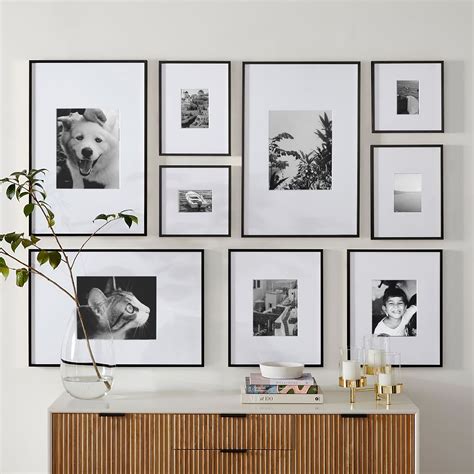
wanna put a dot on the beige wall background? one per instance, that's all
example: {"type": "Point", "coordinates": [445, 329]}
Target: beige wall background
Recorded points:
{"type": "Point", "coordinates": [286, 30]}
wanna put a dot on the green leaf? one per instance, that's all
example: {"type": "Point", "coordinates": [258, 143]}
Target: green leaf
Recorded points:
{"type": "Point", "coordinates": [4, 270]}
{"type": "Point", "coordinates": [11, 191]}
{"type": "Point", "coordinates": [11, 237]}
{"type": "Point", "coordinates": [42, 257]}
{"type": "Point", "coordinates": [22, 275]}
{"type": "Point", "coordinates": [26, 243]}
{"type": "Point", "coordinates": [16, 244]}
{"type": "Point", "coordinates": [101, 217]}
{"type": "Point", "coordinates": [128, 221]}
{"type": "Point", "coordinates": [34, 239]}
{"type": "Point", "coordinates": [54, 259]}
{"type": "Point", "coordinates": [28, 209]}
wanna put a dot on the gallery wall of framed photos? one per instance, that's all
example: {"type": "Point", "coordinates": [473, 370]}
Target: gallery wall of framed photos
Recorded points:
{"type": "Point", "coordinates": [260, 32]}
{"type": "Point", "coordinates": [300, 177]}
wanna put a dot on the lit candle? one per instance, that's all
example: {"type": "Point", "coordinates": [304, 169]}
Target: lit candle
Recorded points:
{"type": "Point", "coordinates": [386, 379]}
{"type": "Point", "coordinates": [350, 370]}
{"type": "Point", "coordinates": [375, 357]}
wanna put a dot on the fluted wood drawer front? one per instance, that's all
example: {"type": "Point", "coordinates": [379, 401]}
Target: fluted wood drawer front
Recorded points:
{"type": "Point", "coordinates": [212, 461]}
{"type": "Point", "coordinates": [394, 444]}
{"type": "Point", "coordinates": [371, 444]}
{"type": "Point", "coordinates": [128, 444]}
{"type": "Point", "coordinates": [221, 431]}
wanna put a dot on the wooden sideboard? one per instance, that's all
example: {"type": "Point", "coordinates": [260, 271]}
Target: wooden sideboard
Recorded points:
{"type": "Point", "coordinates": [212, 433]}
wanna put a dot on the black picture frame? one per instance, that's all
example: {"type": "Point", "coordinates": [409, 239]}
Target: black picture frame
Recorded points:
{"type": "Point", "coordinates": [32, 63]}
{"type": "Point", "coordinates": [201, 252]}
{"type": "Point", "coordinates": [229, 300]}
{"type": "Point", "coordinates": [372, 95]}
{"type": "Point", "coordinates": [228, 152]}
{"type": "Point", "coordinates": [372, 193]}
{"type": "Point", "coordinates": [229, 197]}
{"type": "Point", "coordinates": [440, 254]}
{"type": "Point", "coordinates": [356, 234]}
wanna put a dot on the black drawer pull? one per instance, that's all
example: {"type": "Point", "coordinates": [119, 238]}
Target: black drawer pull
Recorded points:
{"type": "Point", "coordinates": [349, 415]}
{"type": "Point", "coordinates": [111, 414]}
{"type": "Point", "coordinates": [233, 415]}
{"type": "Point", "coordinates": [233, 451]}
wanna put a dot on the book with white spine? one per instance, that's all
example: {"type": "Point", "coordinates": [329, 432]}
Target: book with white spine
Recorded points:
{"type": "Point", "coordinates": [279, 398]}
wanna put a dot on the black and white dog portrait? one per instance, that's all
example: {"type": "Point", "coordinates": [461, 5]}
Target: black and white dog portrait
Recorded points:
{"type": "Point", "coordinates": [87, 146]}
{"type": "Point", "coordinates": [122, 306]}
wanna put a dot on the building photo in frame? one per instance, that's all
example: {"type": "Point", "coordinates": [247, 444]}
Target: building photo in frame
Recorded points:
{"type": "Point", "coordinates": [88, 129]}
{"type": "Point", "coordinates": [275, 306]}
{"type": "Point", "coordinates": [195, 201]}
{"type": "Point", "coordinates": [194, 107]}
{"type": "Point", "coordinates": [407, 96]}
{"type": "Point", "coordinates": [151, 301]}
{"type": "Point", "coordinates": [407, 191]}
{"type": "Point", "coordinates": [300, 171]}
{"type": "Point", "coordinates": [397, 294]}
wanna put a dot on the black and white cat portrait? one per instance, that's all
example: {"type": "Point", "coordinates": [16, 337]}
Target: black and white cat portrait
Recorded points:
{"type": "Point", "coordinates": [126, 305]}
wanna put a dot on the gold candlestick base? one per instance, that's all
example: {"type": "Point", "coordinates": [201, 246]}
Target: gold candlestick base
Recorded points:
{"type": "Point", "coordinates": [353, 385]}
{"type": "Point", "coordinates": [387, 391]}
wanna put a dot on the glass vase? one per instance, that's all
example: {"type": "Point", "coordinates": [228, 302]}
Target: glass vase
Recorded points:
{"type": "Point", "coordinates": [87, 364]}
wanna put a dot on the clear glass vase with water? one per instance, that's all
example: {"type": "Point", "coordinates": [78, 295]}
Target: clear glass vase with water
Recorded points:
{"type": "Point", "coordinates": [80, 376]}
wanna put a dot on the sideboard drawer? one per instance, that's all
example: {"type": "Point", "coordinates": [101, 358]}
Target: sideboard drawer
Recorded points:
{"type": "Point", "coordinates": [89, 443]}
{"type": "Point", "coordinates": [233, 431]}
{"type": "Point", "coordinates": [214, 461]}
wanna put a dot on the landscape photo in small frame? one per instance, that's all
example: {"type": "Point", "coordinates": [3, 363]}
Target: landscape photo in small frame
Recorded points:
{"type": "Point", "coordinates": [407, 192]}
{"type": "Point", "coordinates": [407, 96]}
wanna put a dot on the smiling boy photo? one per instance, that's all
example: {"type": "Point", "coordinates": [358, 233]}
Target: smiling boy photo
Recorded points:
{"type": "Point", "coordinates": [394, 308]}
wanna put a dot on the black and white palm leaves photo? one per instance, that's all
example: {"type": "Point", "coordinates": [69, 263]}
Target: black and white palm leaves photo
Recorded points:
{"type": "Point", "coordinates": [300, 150]}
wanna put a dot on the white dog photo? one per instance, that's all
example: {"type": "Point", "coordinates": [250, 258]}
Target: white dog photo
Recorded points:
{"type": "Point", "coordinates": [87, 148]}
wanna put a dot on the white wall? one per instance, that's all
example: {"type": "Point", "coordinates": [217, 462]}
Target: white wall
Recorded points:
{"type": "Point", "coordinates": [251, 31]}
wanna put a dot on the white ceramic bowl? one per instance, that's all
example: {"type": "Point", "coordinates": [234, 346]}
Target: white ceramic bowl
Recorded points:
{"type": "Point", "coordinates": [281, 370]}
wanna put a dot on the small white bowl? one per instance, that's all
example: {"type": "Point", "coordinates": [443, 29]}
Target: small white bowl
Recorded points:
{"type": "Point", "coordinates": [281, 370]}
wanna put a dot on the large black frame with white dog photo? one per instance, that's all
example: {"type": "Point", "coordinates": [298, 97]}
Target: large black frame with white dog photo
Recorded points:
{"type": "Point", "coordinates": [89, 130]}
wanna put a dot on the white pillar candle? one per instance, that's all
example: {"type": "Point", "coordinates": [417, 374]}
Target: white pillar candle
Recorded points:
{"type": "Point", "coordinates": [350, 370]}
{"type": "Point", "coordinates": [387, 379]}
{"type": "Point", "coordinates": [375, 357]}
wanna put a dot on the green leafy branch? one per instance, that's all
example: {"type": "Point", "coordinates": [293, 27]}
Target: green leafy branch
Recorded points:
{"type": "Point", "coordinates": [28, 185]}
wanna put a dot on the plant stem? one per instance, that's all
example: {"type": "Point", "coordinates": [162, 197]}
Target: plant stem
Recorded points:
{"type": "Point", "coordinates": [34, 270]}
{"type": "Point", "coordinates": [74, 288]}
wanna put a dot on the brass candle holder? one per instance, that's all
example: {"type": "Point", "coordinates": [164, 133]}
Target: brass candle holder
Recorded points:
{"type": "Point", "coordinates": [386, 391]}
{"type": "Point", "coordinates": [353, 385]}
{"type": "Point", "coordinates": [356, 365]}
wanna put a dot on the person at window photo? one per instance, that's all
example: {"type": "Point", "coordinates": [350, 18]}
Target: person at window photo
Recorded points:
{"type": "Point", "coordinates": [398, 314]}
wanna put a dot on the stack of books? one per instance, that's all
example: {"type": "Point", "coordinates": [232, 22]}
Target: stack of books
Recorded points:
{"type": "Point", "coordinates": [258, 389]}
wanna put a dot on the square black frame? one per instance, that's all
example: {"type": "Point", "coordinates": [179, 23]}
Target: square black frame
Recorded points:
{"type": "Point", "coordinates": [348, 283]}
{"type": "Point", "coordinates": [160, 107]}
{"type": "Point", "coordinates": [372, 91]}
{"type": "Point", "coordinates": [30, 304]}
{"type": "Point", "coordinates": [229, 301]}
{"type": "Point", "coordinates": [229, 212]}
{"type": "Point", "coordinates": [372, 193]}
{"type": "Point", "coordinates": [32, 62]}
{"type": "Point", "coordinates": [357, 234]}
